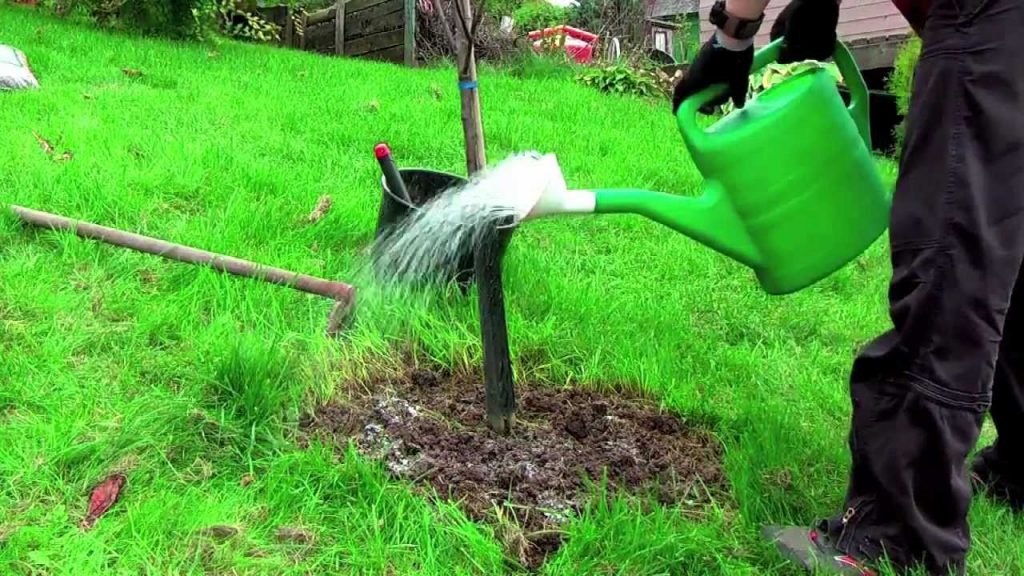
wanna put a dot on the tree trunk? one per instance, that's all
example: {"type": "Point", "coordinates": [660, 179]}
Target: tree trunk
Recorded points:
{"type": "Point", "coordinates": [472, 127]}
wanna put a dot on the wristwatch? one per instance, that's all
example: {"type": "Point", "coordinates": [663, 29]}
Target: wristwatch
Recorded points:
{"type": "Point", "coordinates": [734, 26]}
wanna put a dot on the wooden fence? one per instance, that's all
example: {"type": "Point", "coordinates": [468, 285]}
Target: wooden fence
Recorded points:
{"type": "Point", "coordinates": [375, 29]}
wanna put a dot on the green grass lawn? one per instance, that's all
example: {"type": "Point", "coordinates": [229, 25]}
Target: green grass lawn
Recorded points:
{"type": "Point", "coordinates": [191, 380]}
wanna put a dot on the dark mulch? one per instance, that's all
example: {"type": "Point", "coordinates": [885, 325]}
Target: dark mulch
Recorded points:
{"type": "Point", "coordinates": [430, 428]}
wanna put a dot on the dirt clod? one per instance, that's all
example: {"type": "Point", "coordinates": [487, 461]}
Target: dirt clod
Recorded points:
{"type": "Point", "coordinates": [220, 532]}
{"type": "Point", "coordinates": [289, 535]}
{"type": "Point", "coordinates": [430, 428]}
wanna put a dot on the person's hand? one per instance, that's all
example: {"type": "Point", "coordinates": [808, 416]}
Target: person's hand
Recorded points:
{"type": "Point", "coordinates": [808, 29]}
{"type": "Point", "coordinates": [717, 63]}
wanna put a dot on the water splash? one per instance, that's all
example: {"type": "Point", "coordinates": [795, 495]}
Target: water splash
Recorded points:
{"type": "Point", "coordinates": [429, 245]}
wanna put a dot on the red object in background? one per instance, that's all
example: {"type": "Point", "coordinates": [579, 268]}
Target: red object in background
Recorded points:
{"type": "Point", "coordinates": [579, 44]}
{"type": "Point", "coordinates": [103, 497]}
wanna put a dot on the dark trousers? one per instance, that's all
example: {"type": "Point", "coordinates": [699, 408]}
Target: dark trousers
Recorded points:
{"type": "Point", "coordinates": [920, 391]}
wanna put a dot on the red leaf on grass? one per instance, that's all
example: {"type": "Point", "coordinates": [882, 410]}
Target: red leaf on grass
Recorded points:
{"type": "Point", "coordinates": [103, 497]}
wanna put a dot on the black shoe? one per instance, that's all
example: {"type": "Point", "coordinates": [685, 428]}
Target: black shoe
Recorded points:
{"type": "Point", "coordinates": [811, 549]}
{"type": "Point", "coordinates": [991, 477]}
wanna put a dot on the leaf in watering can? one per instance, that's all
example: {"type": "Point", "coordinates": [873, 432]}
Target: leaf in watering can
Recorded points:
{"type": "Point", "coordinates": [103, 497]}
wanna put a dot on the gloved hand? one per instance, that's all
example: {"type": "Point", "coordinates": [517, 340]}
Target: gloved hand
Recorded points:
{"type": "Point", "coordinates": [809, 28]}
{"type": "Point", "coordinates": [717, 64]}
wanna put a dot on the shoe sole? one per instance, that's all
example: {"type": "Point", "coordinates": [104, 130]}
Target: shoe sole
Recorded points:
{"type": "Point", "coordinates": [795, 544]}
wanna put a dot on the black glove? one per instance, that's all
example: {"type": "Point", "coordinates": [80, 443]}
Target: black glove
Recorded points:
{"type": "Point", "coordinates": [716, 64]}
{"type": "Point", "coordinates": [809, 29]}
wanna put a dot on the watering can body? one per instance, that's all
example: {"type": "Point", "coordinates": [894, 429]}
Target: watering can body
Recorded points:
{"type": "Point", "coordinates": [791, 188]}
{"type": "Point", "coordinates": [795, 166]}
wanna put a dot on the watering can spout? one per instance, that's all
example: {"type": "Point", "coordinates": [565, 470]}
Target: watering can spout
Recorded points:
{"type": "Point", "coordinates": [708, 219]}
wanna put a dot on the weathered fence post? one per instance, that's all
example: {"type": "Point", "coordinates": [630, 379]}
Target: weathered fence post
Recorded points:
{"type": "Point", "coordinates": [339, 28]}
{"type": "Point", "coordinates": [302, 37]}
{"type": "Point", "coordinates": [410, 33]}
{"type": "Point", "coordinates": [289, 28]}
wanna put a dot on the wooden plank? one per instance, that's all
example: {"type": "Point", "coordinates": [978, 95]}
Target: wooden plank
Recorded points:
{"type": "Point", "coordinates": [665, 24]}
{"type": "Point", "coordinates": [325, 49]}
{"type": "Point", "coordinates": [357, 5]}
{"type": "Point", "coordinates": [356, 22]}
{"type": "Point", "coordinates": [876, 54]}
{"type": "Point", "coordinates": [320, 16]}
{"type": "Point", "coordinates": [361, 27]}
{"type": "Point", "coordinates": [872, 19]}
{"type": "Point", "coordinates": [339, 27]}
{"type": "Point", "coordinates": [319, 36]}
{"type": "Point", "coordinates": [375, 11]}
{"type": "Point", "coordinates": [393, 54]}
{"type": "Point", "coordinates": [410, 33]}
{"type": "Point", "coordinates": [375, 42]}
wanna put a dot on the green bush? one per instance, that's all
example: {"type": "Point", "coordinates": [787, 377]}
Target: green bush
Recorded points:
{"type": "Point", "coordinates": [546, 65]}
{"type": "Point", "coordinates": [499, 8]}
{"type": "Point", "coordinates": [179, 19]}
{"type": "Point", "coordinates": [901, 81]}
{"type": "Point", "coordinates": [539, 15]}
{"type": "Point", "coordinates": [612, 18]}
{"type": "Point", "coordinates": [620, 78]}
{"type": "Point", "coordinates": [173, 18]}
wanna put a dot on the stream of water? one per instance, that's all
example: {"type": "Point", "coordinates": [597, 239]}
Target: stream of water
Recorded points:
{"type": "Point", "coordinates": [430, 242]}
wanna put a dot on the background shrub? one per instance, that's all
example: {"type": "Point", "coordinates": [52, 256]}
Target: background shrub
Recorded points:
{"type": "Point", "coordinates": [539, 15]}
{"type": "Point", "coordinates": [623, 78]}
{"type": "Point", "coordinates": [901, 81]}
{"type": "Point", "coordinates": [173, 18]}
{"type": "Point", "coordinates": [179, 19]}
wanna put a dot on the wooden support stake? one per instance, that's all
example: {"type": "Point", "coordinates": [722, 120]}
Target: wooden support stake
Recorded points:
{"type": "Point", "coordinates": [339, 28]}
{"type": "Point", "coordinates": [498, 383]}
{"type": "Point", "coordinates": [499, 386]}
{"type": "Point", "coordinates": [339, 291]}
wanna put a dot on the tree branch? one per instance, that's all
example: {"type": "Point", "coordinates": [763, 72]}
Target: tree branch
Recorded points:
{"type": "Point", "coordinates": [444, 24]}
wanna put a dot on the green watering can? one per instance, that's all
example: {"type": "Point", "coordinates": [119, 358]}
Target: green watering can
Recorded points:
{"type": "Point", "coordinates": [791, 188]}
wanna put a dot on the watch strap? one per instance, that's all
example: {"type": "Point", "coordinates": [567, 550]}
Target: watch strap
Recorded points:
{"type": "Point", "coordinates": [734, 26]}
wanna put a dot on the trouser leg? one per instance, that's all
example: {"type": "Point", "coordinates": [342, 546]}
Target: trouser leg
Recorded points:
{"type": "Point", "coordinates": [1001, 465]}
{"type": "Point", "coordinates": [920, 391]}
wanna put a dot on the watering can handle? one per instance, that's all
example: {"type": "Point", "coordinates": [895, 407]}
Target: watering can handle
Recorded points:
{"type": "Point", "coordinates": [844, 60]}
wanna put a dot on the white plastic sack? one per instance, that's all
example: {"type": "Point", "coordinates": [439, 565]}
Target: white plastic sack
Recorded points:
{"type": "Point", "coordinates": [14, 70]}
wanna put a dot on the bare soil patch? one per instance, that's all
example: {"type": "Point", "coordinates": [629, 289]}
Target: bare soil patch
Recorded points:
{"type": "Point", "coordinates": [429, 428]}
